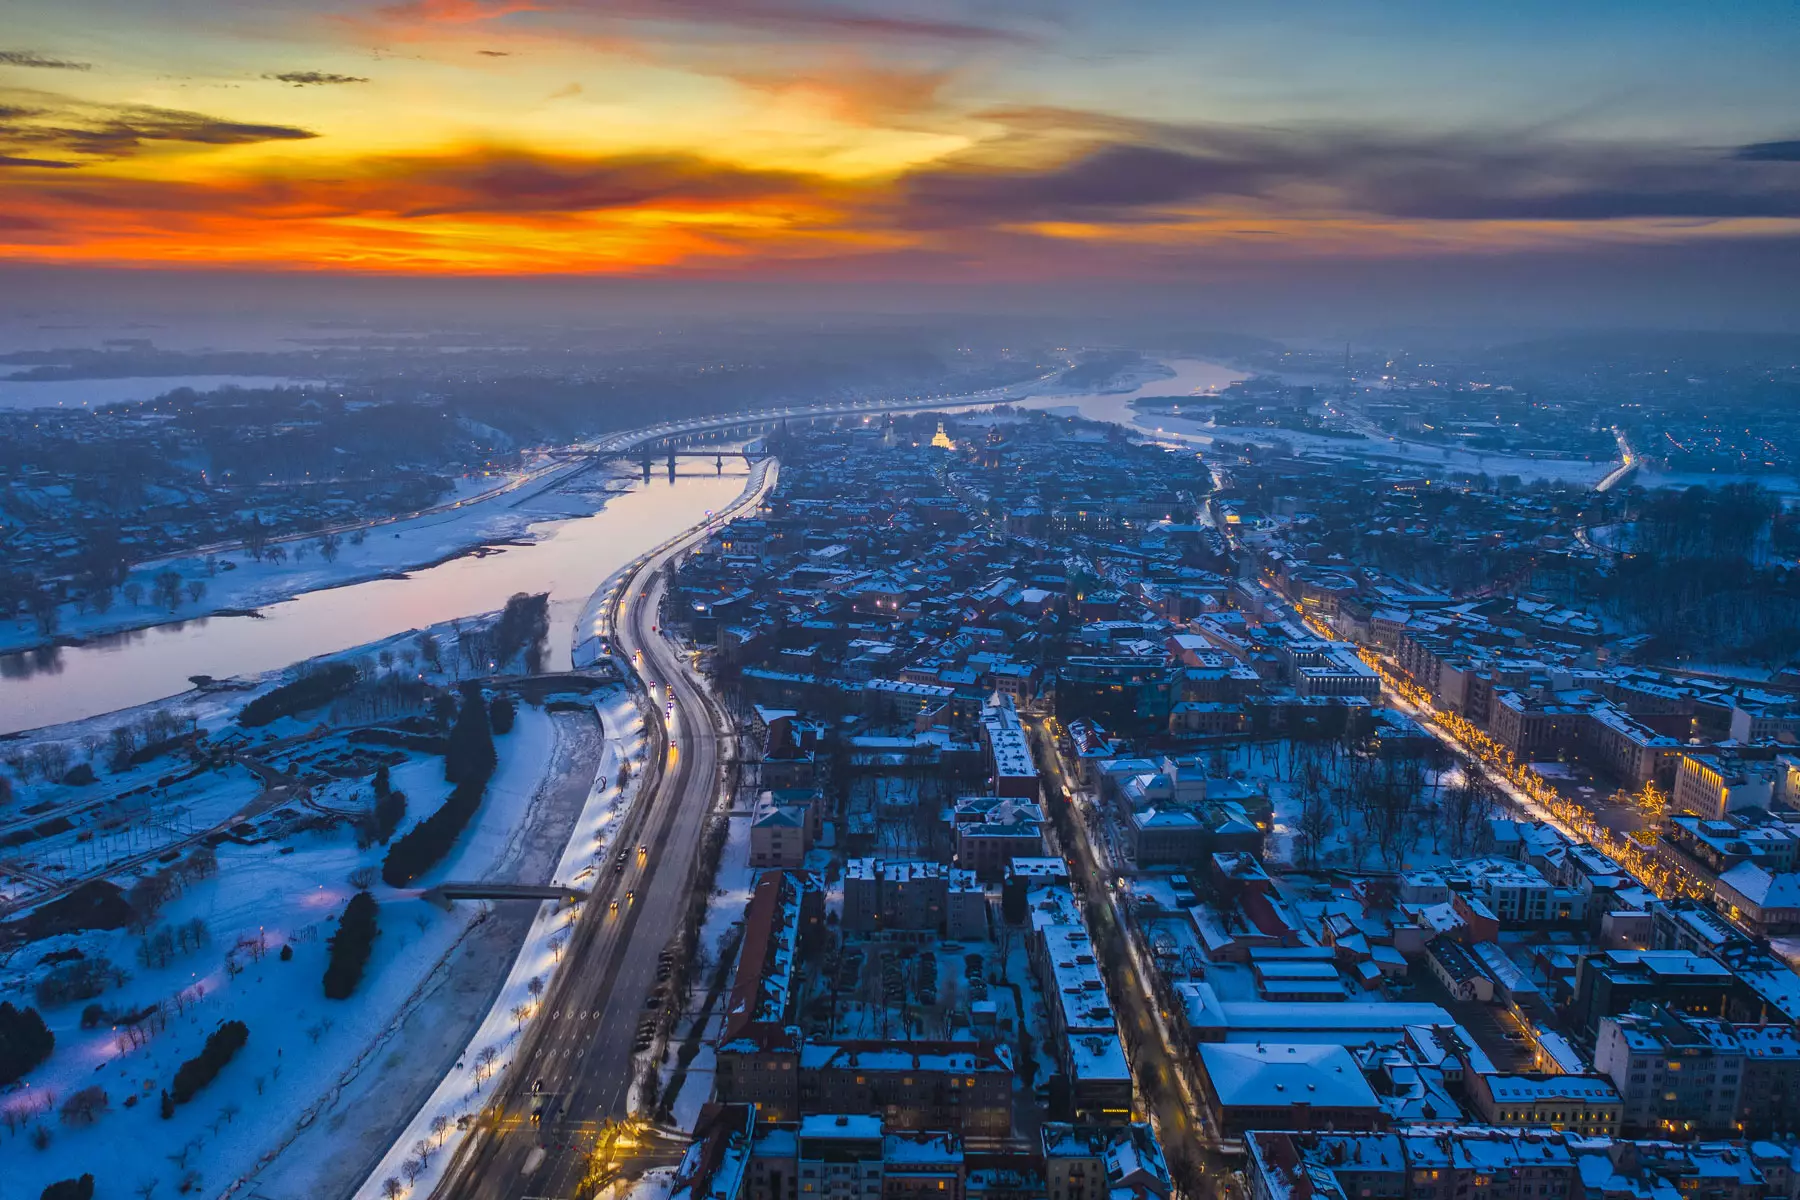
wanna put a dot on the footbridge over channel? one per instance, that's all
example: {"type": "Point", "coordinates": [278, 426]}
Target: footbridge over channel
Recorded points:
{"type": "Point", "coordinates": [444, 894]}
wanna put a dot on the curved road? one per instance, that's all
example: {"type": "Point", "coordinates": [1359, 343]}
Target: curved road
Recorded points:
{"type": "Point", "coordinates": [579, 1047]}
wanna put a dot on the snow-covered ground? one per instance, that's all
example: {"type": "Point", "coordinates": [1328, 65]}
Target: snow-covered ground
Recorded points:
{"type": "Point", "coordinates": [481, 511]}
{"type": "Point", "coordinates": [304, 1051]}
{"type": "Point", "coordinates": [460, 1093]}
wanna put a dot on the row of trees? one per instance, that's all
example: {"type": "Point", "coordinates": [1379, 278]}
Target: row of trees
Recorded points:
{"type": "Point", "coordinates": [469, 761]}
{"type": "Point", "coordinates": [222, 1045]}
{"type": "Point", "coordinates": [258, 544]}
{"type": "Point", "coordinates": [313, 688]}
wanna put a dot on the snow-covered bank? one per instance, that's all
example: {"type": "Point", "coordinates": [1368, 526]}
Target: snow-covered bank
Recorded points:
{"type": "Point", "coordinates": [492, 511]}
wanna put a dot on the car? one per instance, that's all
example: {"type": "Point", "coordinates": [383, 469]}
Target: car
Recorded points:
{"type": "Point", "coordinates": [653, 1003]}
{"type": "Point", "coordinates": [630, 896]}
{"type": "Point", "coordinates": [615, 904]}
{"type": "Point", "coordinates": [643, 851]}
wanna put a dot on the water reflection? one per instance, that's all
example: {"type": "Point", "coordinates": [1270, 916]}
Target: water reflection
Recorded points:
{"type": "Point", "coordinates": [571, 559]}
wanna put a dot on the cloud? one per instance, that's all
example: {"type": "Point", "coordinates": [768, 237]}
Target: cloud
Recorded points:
{"type": "Point", "coordinates": [98, 132]}
{"type": "Point", "coordinates": [1055, 166]}
{"type": "Point", "coordinates": [567, 92]}
{"type": "Point", "coordinates": [510, 182]}
{"type": "Point", "coordinates": [495, 53]}
{"type": "Point", "coordinates": [309, 78]}
{"type": "Point", "coordinates": [1769, 152]}
{"type": "Point", "coordinates": [9, 160]}
{"type": "Point", "coordinates": [804, 18]}
{"type": "Point", "coordinates": [27, 58]}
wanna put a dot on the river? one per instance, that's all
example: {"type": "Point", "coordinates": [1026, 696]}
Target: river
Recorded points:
{"type": "Point", "coordinates": [571, 558]}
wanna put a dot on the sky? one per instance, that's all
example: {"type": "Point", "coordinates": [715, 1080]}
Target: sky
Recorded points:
{"type": "Point", "coordinates": [1030, 142]}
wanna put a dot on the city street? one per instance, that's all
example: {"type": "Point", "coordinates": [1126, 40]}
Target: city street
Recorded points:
{"type": "Point", "coordinates": [578, 1050]}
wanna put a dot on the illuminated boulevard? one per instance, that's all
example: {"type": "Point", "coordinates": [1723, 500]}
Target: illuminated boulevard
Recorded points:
{"type": "Point", "coordinates": [579, 1047]}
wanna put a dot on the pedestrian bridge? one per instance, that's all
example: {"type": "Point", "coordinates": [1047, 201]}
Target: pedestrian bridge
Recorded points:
{"type": "Point", "coordinates": [444, 894]}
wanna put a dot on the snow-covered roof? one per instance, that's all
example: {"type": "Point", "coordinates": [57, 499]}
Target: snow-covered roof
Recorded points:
{"type": "Point", "coordinates": [1278, 1074]}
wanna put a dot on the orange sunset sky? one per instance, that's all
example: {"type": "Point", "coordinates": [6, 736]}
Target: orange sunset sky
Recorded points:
{"type": "Point", "coordinates": [1003, 139]}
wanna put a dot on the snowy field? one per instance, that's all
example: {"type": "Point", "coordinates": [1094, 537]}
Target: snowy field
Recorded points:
{"type": "Point", "coordinates": [320, 1091]}
{"type": "Point", "coordinates": [302, 1049]}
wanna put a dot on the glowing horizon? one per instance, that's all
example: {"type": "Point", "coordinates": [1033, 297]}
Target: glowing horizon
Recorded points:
{"type": "Point", "coordinates": [815, 137]}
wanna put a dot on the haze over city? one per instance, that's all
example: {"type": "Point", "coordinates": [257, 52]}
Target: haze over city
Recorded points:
{"type": "Point", "coordinates": [821, 600]}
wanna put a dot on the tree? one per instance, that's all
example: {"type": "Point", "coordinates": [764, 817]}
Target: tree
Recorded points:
{"type": "Point", "coordinates": [502, 712]}
{"type": "Point", "coordinates": [469, 757]}
{"type": "Point", "coordinates": [256, 537]}
{"type": "Point", "coordinates": [277, 554]}
{"type": "Point", "coordinates": [329, 545]}
{"type": "Point", "coordinates": [25, 1041]}
{"type": "Point", "coordinates": [1314, 826]}
{"type": "Point", "coordinates": [133, 591]}
{"type": "Point", "coordinates": [221, 1046]}
{"type": "Point", "coordinates": [85, 1106]}
{"type": "Point", "coordinates": [44, 607]}
{"type": "Point", "coordinates": [70, 1189]}
{"type": "Point", "coordinates": [196, 588]}
{"type": "Point", "coordinates": [350, 947]}
{"type": "Point", "coordinates": [165, 589]}
{"type": "Point", "coordinates": [392, 1188]}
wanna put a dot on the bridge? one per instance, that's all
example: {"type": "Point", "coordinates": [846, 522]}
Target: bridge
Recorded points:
{"type": "Point", "coordinates": [444, 893]}
{"type": "Point", "coordinates": [647, 456]}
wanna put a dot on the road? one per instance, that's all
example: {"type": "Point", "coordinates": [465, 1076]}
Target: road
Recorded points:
{"type": "Point", "coordinates": [579, 1046]}
{"type": "Point", "coordinates": [1167, 1089]}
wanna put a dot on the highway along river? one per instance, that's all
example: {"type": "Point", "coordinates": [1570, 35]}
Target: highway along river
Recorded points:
{"type": "Point", "coordinates": [573, 557]}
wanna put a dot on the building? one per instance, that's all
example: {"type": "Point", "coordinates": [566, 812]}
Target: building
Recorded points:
{"type": "Point", "coordinates": [908, 895]}
{"type": "Point", "coordinates": [782, 828]}
{"type": "Point", "coordinates": [1588, 1105]}
{"type": "Point", "coordinates": [1711, 785]}
{"type": "Point", "coordinates": [1683, 1076]}
{"type": "Point", "coordinates": [1761, 901]}
{"type": "Point", "coordinates": [966, 1087]}
{"type": "Point", "coordinates": [1009, 760]}
{"type": "Point", "coordinates": [1102, 1162]}
{"type": "Point", "coordinates": [852, 1156]}
{"type": "Point", "coordinates": [759, 1046]}
{"type": "Point", "coordinates": [1459, 971]}
{"type": "Point", "coordinates": [839, 1156]}
{"type": "Point", "coordinates": [1609, 982]}
{"type": "Point", "coordinates": [1285, 1085]}
{"type": "Point", "coordinates": [992, 831]}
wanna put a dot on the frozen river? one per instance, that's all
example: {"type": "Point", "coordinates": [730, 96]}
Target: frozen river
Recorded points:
{"type": "Point", "coordinates": [569, 560]}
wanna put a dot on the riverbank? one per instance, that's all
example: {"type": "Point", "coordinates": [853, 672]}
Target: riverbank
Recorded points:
{"type": "Point", "coordinates": [556, 554]}
{"type": "Point", "coordinates": [235, 582]}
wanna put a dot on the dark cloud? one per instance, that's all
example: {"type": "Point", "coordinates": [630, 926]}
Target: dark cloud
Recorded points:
{"type": "Point", "coordinates": [1112, 170]}
{"type": "Point", "coordinates": [108, 132]}
{"type": "Point", "coordinates": [1769, 152]}
{"type": "Point", "coordinates": [309, 78]}
{"type": "Point", "coordinates": [521, 183]}
{"type": "Point", "coordinates": [27, 58]}
{"type": "Point", "coordinates": [495, 53]}
{"type": "Point", "coordinates": [9, 160]}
